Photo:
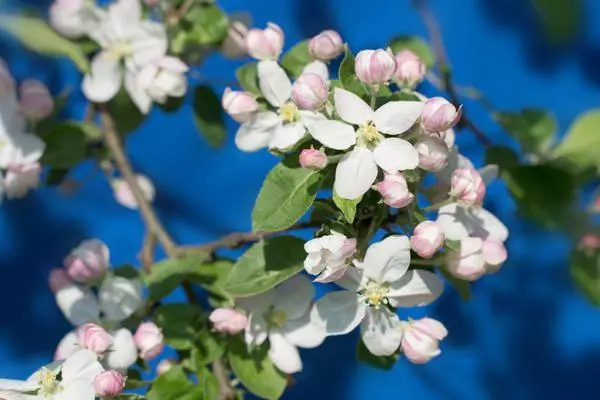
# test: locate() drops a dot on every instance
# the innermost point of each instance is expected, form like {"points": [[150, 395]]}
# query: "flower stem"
{"points": [[374, 92], [437, 206]]}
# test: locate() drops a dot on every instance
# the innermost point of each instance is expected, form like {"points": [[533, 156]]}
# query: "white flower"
{"points": [[160, 80], [458, 161], [285, 316], [329, 256], [75, 18], [77, 374], [123, 35], [383, 278], [459, 222], [279, 129], [357, 170]]}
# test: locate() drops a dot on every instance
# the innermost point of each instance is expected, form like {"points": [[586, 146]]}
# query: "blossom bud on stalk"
{"points": [[164, 366], [439, 115], [239, 105], [88, 262], [467, 186], [427, 239], [149, 340], [468, 263], [36, 101], [124, 195], [433, 153], [310, 91], [313, 159], [420, 342], [375, 66], [234, 45], [59, 279], [494, 254], [265, 44], [228, 320], [326, 46], [410, 69], [93, 337], [109, 383], [394, 190]]}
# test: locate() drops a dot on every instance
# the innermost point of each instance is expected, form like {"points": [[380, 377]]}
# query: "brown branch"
{"points": [[146, 255], [227, 392]]}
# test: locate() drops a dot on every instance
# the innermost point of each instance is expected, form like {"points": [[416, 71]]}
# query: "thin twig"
{"points": [[227, 392], [147, 253]]}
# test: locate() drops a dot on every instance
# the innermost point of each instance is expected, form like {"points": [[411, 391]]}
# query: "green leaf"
{"points": [[381, 362], [266, 264], [585, 271], [127, 271], [209, 116], [256, 371], [247, 76], [179, 323], [208, 346], [134, 380], [347, 75], [125, 113], [296, 59], [287, 193], [56, 176], [581, 146], [174, 385], [323, 211], [209, 24], [36, 35], [172, 105], [416, 45], [348, 207], [462, 287], [212, 277], [532, 128], [562, 18], [502, 156], [130, 396], [66, 145], [166, 275]]}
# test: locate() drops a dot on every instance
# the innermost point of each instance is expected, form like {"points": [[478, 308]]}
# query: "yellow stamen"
{"points": [[289, 112]]}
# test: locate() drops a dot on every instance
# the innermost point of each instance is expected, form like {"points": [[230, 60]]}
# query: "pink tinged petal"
{"points": [[104, 80], [388, 260], [294, 296], [258, 132], [355, 173], [468, 263], [173, 64], [317, 67], [284, 355], [138, 94], [381, 332], [494, 252], [415, 288], [352, 108], [123, 353], [256, 330], [419, 347], [274, 83], [307, 331], [333, 134], [395, 154], [78, 305], [83, 364], [67, 346], [120, 297], [431, 327], [397, 117], [287, 135], [341, 312], [331, 275]]}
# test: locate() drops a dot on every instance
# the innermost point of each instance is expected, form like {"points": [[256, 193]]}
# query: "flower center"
{"points": [[374, 295], [289, 112], [368, 135], [48, 383], [121, 49], [276, 318]]}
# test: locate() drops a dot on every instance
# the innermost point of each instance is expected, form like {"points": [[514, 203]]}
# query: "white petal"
{"points": [[388, 260], [489, 173], [256, 133], [149, 44], [68, 345], [355, 173], [274, 83], [340, 311], [120, 297], [18, 386], [123, 352], [397, 117], [351, 279], [310, 117], [294, 296], [333, 134], [455, 161], [78, 305], [287, 135], [395, 154], [76, 390], [124, 15], [381, 332], [9, 395], [284, 355], [313, 264], [351, 108], [317, 67], [459, 222], [416, 288], [30, 147], [82, 365], [307, 331], [259, 303], [138, 94], [256, 330], [104, 80]]}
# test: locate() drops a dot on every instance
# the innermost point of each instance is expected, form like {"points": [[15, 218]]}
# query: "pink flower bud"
{"points": [[310, 91], [36, 100], [494, 254], [93, 337], [164, 366], [59, 279], [124, 195], [313, 159], [410, 69], [234, 45], [327, 45], [468, 263], [7, 82], [439, 115], [88, 261], [420, 342], [467, 186], [109, 383], [265, 44], [228, 320], [149, 340], [394, 190], [375, 66], [433, 153], [239, 105], [427, 239]]}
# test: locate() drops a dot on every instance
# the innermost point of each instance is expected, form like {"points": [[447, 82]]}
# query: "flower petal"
{"points": [[17, 385], [83, 364], [123, 353], [284, 355], [307, 331], [355, 173], [256, 330], [395, 154], [333, 134], [274, 83], [78, 305], [124, 15], [397, 117], [287, 135], [104, 80], [120, 297], [489, 173], [294, 296], [76, 390], [351, 108], [340, 311], [388, 260], [381, 332], [309, 117], [317, 67], [415, 288], [258, 303], [459, 222], [351, 279], [256, 133], [68, 345], [138, 94]]}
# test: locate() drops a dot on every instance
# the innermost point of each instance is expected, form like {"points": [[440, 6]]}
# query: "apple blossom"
{"points": [[265, 44], [433, 153], [239, 105], [68, 345], [468, 263], [375, 66], [75, 18], [427, 239], [357, 170], [149, 340], [394, 190], [382, 279], [123, 353], [410, 70], [310, 91], [494, 254], [163, 78], [36, 100], [228, 320], [439, 115], [109, 383], [59, 279], [326, 46], [319, 68], [88, 262], [329, 256], [234, 45], [420, 342], [459, 222], [124, 195], [93, 337], [467, 187], [313, 159]]}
